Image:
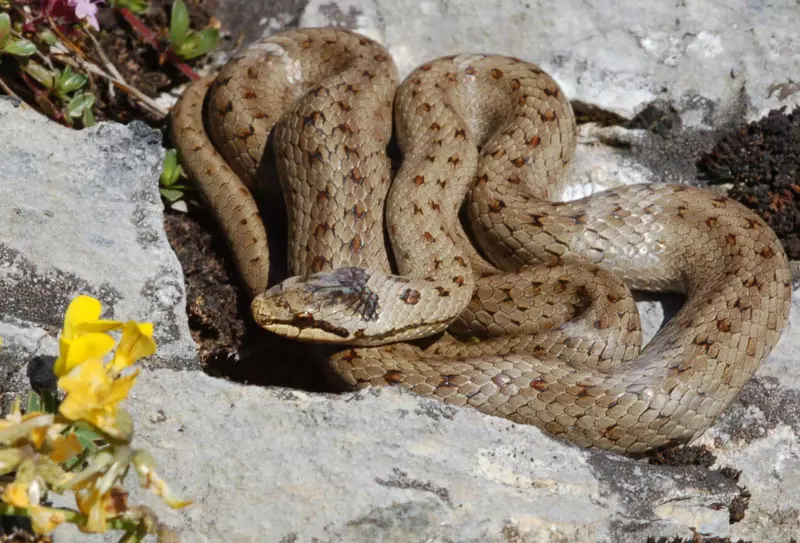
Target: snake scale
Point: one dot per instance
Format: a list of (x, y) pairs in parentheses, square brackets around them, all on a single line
[(548, 289)]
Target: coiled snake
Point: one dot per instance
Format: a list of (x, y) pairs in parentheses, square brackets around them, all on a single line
[(561, 347)]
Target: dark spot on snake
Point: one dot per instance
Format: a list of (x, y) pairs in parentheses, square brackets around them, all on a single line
[(435, 127), (730, 239), (314, 157), (318, 264), (313, 118), (496, 73), (534, 141), (551, 91), (417, 209), (394, 377), (539, 384), (724, 325), (323, 195), (430, 158), (428, 237), (496, 206), (356, 244), (522, 100), (751, 347), (766, 252), (520, 161), (441, 183), (321, 229), (454, 160), (548, 116), (443, 292), (260, 115), (349, 355), (305, 44), (355, 176), (461, 133), (470, 70), (303, 320), (410, 296), (252, 73), (446, 381), (580, 218), (380, 57), (344, 128), (703, 341), (359, 211), (719, 202), (458, 280), (536, 219), (349, 151), (498, 153), (435, 206), (451, 76), (246, 133), (514, 180), (601, 324), (482, 179), (250, 94), (228, 107), (344, 106), (367, 74), (516, 84), (460, 261), (437, 263), (352, 89), (419, 180), (712, 222), (425, 67)]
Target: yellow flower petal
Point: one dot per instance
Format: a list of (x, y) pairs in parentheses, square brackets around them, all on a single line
[(136, 343), (78, 350), (83, 317), (16, 494), (44, 520), (93, 396), (98, 508), (64, 448)]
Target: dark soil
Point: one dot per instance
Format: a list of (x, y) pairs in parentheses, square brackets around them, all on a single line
[(762, 161)]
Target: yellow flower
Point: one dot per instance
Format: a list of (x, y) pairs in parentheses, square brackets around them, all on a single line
[(93, 396), (62, 448), (44, 520), (16, 494), (98, 507), (82, 317), (137, 342), (28, 428), (149, 479)]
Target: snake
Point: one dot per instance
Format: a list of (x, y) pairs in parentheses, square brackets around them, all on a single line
[(464, 272)]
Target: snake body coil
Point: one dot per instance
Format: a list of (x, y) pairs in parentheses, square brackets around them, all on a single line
[(562, 338)]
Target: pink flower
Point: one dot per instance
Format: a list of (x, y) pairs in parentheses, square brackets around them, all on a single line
[(86, 9)]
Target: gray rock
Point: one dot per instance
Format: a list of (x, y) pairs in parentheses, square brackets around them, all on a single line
[(385, 465), (80, 212), (710, 60)]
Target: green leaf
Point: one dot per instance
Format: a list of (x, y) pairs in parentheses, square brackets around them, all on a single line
[(88, 438), (199, 43), (179, 23), (40, 73), (170, 171), (171, 195), (33, 403), (20, 48), (48, 36), (79, 104), (136, 6), (70, 81), (5, 29), (49, 401), (88, 118)]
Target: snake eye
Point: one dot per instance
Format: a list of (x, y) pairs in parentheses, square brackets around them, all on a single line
[(303, 320)]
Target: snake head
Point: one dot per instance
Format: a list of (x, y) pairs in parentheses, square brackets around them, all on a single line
[(327, 307)]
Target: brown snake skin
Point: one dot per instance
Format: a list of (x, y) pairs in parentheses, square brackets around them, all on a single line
[(561, 345)]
